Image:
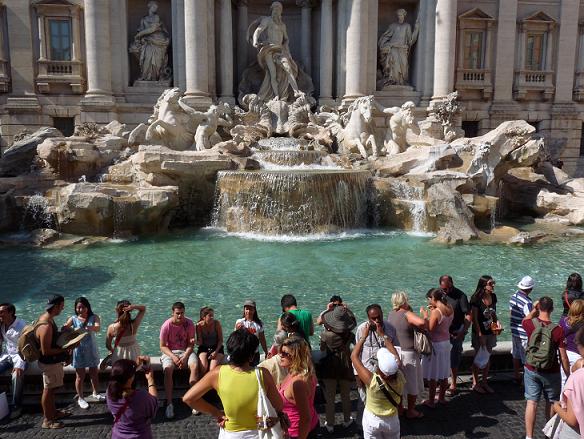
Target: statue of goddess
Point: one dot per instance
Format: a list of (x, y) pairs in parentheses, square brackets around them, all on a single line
[(150, 46), (394, 50)]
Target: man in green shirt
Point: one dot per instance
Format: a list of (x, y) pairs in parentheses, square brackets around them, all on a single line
[(288, 303)]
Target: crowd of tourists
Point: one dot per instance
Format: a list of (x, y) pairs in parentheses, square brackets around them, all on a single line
[(390, 360)]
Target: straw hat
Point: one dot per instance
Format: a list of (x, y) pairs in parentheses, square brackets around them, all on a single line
[(70, 338)]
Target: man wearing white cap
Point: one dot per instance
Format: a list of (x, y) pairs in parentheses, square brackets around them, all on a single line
[(520, 305), (384, 388)]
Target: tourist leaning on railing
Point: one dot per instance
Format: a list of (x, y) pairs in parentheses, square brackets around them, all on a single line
[(121, 335), (133, 409)]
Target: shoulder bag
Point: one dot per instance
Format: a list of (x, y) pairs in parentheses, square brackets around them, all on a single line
[(269, 426), (422, 343)]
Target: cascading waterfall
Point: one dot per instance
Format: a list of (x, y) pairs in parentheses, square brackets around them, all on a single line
[(288, 157), (37, 213), (297, 202), (413, 198)]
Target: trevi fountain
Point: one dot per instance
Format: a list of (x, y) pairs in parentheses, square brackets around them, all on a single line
[(275, 194)]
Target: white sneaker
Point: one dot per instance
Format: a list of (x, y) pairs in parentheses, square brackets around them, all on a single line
[(82, 403), (99, 397), (169, 411), (196, 412)]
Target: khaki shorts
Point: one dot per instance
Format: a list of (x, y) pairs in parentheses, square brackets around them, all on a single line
[(52, 375), (167, 361)]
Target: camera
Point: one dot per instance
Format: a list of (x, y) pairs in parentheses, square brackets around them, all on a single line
[(373, 326), (143, 364)]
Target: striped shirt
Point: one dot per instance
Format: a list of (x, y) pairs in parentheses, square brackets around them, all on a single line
[(520, 305)]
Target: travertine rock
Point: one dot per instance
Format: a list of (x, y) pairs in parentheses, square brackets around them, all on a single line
[(18, 159), (115, 128), (417, 161)]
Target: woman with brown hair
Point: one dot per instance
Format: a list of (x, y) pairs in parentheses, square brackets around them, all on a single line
[(572, 292), (485, 327), (210, 340), (133, 409), (123, 332), (298, 389), (571, 324)]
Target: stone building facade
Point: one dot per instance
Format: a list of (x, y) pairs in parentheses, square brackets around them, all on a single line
[(66, 62)]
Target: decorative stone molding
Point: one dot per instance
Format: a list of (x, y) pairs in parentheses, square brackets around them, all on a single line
[(534, 74), (53, 74), (473, 70)]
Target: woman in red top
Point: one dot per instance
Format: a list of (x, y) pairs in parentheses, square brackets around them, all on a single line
[(297, 390)]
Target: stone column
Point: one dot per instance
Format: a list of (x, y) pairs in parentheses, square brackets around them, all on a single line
[(242, 42), (505, 50), (305, 34), (226, 52), (357, 42), (326, 52), (212, 64), (428, 34), (97, 41), (445, 47), (372, 30), (178, 43), (567, 49), (342, 24), (196, 53)]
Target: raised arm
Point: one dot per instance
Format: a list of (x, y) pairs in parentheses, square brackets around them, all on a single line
[(362, 372), (416, 321), (141, 312)]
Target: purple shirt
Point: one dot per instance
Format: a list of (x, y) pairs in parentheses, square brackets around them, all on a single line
[(570, 335), (135, 421)]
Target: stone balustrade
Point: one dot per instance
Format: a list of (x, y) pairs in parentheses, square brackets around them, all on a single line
[(475, 79), (533, 81), (54, 73)]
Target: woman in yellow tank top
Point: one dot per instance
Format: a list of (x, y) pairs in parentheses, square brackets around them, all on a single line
[(384, 388), (237, 386)]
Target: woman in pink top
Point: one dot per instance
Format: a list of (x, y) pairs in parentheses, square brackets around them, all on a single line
[(297, 390), (437, 366)]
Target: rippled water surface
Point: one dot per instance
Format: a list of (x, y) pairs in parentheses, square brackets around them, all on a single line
[(212, 268)]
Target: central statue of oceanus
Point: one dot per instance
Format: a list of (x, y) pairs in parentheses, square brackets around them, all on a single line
[(274, 75)]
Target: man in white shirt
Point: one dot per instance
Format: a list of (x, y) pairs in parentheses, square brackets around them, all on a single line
[(10, 330)]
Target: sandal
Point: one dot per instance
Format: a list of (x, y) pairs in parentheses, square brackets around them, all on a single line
[(52, 425), (451, 392), (60, 414), (479, 389)]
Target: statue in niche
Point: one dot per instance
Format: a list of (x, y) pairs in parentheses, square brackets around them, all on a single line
[(395, 45), (274, 75), (150, 46)]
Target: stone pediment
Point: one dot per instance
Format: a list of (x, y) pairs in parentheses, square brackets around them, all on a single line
[(539, 17), (475, 14)]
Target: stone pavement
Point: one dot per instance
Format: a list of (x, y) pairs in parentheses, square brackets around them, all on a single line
[(468, 415)]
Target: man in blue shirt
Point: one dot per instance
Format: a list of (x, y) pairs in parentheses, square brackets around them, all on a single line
[(520, 305)]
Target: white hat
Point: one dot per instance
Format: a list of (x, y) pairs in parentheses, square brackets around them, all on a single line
[(386, 362), (526, 283)]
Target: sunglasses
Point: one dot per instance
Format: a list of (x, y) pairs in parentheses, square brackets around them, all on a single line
[(285, 354), (491, 283)]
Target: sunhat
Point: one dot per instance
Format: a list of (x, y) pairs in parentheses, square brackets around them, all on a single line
[(70, 338), (527, 283), (339, 319)]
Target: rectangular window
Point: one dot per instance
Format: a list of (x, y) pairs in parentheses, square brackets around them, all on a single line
[(473, 50), (534, 56), (470, 128), (65, 124), (60, 39)]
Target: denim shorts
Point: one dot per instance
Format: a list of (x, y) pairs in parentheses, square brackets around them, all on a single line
[(537, 383)]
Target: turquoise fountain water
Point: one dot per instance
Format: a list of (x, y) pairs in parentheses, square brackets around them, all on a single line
[(213, 268)]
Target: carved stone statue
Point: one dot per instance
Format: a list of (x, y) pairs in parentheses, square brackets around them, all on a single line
[(170, 124), (150, 46), (275, 75), (399, 123), (394, 50), (207, 122)]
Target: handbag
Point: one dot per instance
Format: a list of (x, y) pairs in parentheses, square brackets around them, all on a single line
[(107, 361), (556, 428), (422, 343), (268, 421)]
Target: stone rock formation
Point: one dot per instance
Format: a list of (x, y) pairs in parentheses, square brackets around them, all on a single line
[(18, 159)]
